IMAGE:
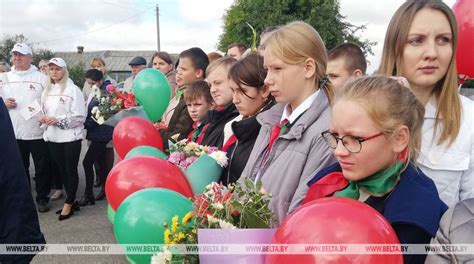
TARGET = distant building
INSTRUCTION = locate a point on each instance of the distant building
(116, 60)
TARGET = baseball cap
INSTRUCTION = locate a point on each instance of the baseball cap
(22, 48)
(58, 62)
(137, 61)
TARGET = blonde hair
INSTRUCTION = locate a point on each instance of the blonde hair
(448, 116)
(224, 61)
(61, 83)
(297, 41)
(97, 62)
(389, 105)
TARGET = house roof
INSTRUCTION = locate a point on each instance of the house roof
(115, 60)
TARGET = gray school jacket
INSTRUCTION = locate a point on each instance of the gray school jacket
(456, 227)
(295, 157)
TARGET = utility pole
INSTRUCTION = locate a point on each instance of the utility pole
(158, 26)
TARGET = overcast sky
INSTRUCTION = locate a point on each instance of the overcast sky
(62, 25)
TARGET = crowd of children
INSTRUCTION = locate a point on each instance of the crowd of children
(308, 124)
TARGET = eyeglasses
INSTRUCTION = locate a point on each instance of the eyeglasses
(351, 143)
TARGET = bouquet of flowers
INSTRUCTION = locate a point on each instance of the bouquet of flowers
(243, 205)
(180, 232)
(183, 153)
(235, 206)
(111, 102)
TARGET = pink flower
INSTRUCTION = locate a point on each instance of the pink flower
(110, 88)
(176, 157)
(187, 162)
(212, 149)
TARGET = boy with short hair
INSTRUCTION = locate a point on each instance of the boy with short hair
(192, 66)
(199, 102)
(345, 62)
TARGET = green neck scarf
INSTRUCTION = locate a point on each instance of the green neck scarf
(179, 93)
(377, 185)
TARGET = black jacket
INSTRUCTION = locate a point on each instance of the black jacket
(214, 134)
(180, 123)
(246, 132)
(18, 219)
(96, 132)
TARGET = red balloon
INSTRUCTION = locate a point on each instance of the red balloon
(135, 131)
(142, 172)
(335, 220)
(464, 12)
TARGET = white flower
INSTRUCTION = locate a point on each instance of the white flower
(162, 257)
(262, 191)
(220, 157)
(226, 225)
(94, 109)
(100, 120)
(218, 206)
(191, 146)
(212, 219)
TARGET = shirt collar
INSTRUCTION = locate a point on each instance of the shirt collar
(430, 108)
(299, 110)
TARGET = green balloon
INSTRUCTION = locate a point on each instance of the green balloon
(110, 214)
(145, 151)
(140, 217)
(202, 172)
(152, 90)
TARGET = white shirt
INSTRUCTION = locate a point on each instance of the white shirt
(451, 168)
(299, 110)
(25, 87)
(70, 110)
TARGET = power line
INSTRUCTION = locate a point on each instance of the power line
(95, 30)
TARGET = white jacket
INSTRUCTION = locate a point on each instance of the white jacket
(451, 168)
(69, 108)
(25, 87)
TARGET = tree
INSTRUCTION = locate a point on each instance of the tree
(42, 54)
(77, 74)
(8, 41)
(323, 15)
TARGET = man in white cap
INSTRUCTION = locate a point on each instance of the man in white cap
(21, 90)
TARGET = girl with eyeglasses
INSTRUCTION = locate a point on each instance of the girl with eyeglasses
(375, 134)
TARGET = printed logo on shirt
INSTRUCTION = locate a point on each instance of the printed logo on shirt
(32, 87)
(61, 100)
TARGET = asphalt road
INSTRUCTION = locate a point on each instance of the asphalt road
(87, 226)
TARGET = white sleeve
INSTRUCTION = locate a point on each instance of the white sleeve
(77, 113)
(467, 177)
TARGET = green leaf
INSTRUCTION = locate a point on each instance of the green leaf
(248, 183)
(253, 221)
(258, 186)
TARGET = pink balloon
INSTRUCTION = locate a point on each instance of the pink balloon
(134, 131)
(335, 220)
(464, 12)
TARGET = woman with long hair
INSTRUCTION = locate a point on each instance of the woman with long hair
(420, 45)
(64, 116)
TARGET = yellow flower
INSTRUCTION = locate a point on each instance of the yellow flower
(194, 231)
(167, 237)
(175, 224)
(187, 217)
(181, 236)
(174, 219)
